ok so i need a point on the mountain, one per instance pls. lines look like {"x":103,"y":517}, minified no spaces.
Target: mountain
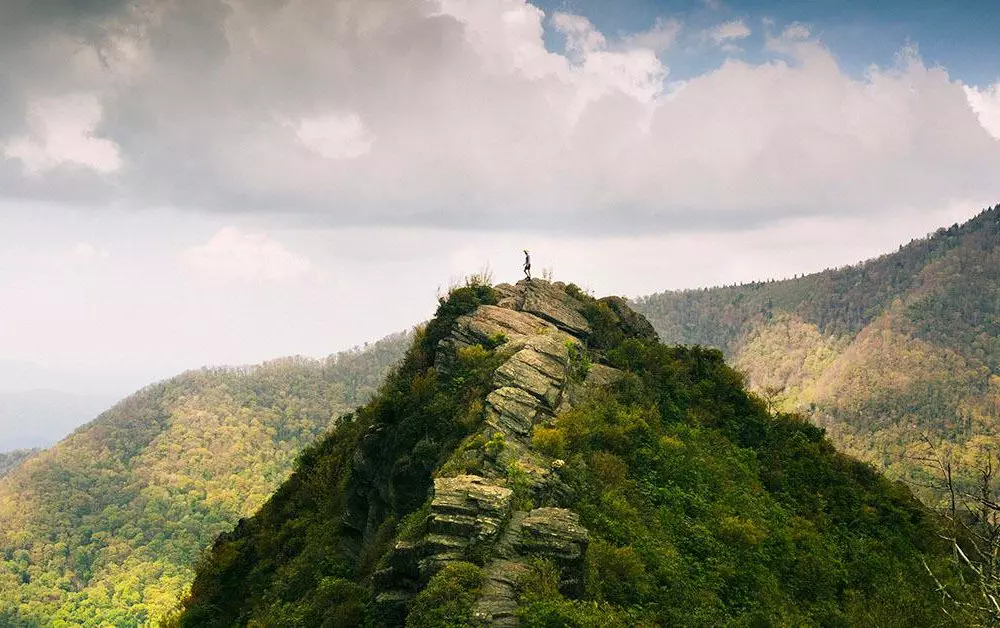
{"x":10,"y":459}
{"x":880,"y":354}
{"x":539,"y":457}
{"x":103,"y":528}
{"x":39,"y":418}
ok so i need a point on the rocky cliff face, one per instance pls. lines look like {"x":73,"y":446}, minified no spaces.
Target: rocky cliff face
{"x":516,"y":508}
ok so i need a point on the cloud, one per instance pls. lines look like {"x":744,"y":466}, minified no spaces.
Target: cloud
{"x":233,"y":255}
{"x":986,"y":103}
{"x":727,"y":32}
{"x":455,"y":114}
{"x":334,"y":136}
{"x":85,"y":254}
{"x":660,"y":38}
{"x":62,"y":132}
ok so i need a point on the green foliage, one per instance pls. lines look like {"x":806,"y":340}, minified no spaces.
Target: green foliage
{"x":11,"y":459}
{"x":705,"y":510}
{"x":495,"y":446}
{"x":104,"y":528}
{"x":879,"y":354}
{"x":446,"y":601}
{"x":519,"y":481}
{"x":333,"y":516}
{"x":579,"y":361}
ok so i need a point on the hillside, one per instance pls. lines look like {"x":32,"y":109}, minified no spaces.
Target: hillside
{"x":10,"y":459}
{"x":878,"y":353}
{"x":103,"y":528}
{"x":540,"y":458}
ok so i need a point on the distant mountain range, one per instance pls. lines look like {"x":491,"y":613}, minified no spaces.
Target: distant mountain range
{"x":880,"y":353}
{"x":10,"y":459}
{"x":39,"y":418}
{"x":104,"y":528}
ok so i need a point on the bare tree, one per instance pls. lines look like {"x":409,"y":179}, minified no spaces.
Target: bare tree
{"x":972,"y":513}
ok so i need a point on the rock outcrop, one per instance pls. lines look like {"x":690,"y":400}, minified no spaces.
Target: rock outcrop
{"x":516,"y":508}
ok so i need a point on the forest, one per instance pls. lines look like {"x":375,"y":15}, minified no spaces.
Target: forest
{"x":10,"y":459}
{"x":888,"y":356}
{"x":104,"y":528}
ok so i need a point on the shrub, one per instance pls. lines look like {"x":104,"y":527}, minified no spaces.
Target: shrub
{"x":550,"y":441}
{"x":615,"y":574}
{"x":447,"y":600}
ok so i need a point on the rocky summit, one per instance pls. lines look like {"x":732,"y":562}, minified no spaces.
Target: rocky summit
{"x":540,"y":459}
{"x":541,"y":331}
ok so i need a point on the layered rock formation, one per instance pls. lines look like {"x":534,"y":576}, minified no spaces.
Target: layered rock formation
{"x":515,"y":508}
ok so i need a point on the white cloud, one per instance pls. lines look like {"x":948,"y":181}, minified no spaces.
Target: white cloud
{"x":986,"y":103}
{"x":728,"y":32}
{"x":661,"y":37}
{"x":234,"y":255}
{"x":85,"y":254}
{"x":62,"y":132}
{"x":796,"y":31}
{"x":581,"y":36}
{"x":335,"y":135}
{"x":453,"y":113}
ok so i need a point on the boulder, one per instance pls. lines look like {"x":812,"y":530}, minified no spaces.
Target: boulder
{"x":469,"y":507}
{"x":631,"y":322}
{"x":539,"y":372}
{"x":601,"y":375}
{"x":552,"y":304}
{"x":556,"y":534}
{"x":512,"y":410}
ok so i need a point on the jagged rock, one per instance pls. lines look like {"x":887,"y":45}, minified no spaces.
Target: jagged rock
{"x":488,"y":321}
{"x":556,"y":534}
{"x":601,"y":375}
{"x":469,"y":502}
{"x":539,"y":368}
{"x":497,"y":603}
{"x":507,"y":296}
{"x":468,"y":512}
{"x":630,"y":322}
{"x":512,"y":410}
{"x":553,"y":304}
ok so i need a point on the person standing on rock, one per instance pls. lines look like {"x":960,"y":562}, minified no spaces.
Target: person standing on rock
{"x":527,"y":265}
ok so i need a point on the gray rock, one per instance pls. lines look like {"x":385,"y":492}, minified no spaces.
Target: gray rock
{"x":631,"y":322}
{"x":541,"y":374}
{"x":512,"y":410}
{"x":554,"y":305}
{"x":601,"y":375}
{"x":555,"y":533}
{"x":497,"y":603}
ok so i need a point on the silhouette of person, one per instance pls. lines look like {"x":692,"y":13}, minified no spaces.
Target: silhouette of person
{"x":527,"y":265}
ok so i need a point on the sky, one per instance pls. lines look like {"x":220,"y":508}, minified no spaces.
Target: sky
{"x":204,"y":182}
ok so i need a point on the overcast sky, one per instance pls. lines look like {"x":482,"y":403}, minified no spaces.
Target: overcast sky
{"x":189,"y":182}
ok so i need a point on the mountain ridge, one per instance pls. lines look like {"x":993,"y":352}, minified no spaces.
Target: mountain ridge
{"x":102,"y":528}
{"x":539,"y":458}
{"x":882,"y":354}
